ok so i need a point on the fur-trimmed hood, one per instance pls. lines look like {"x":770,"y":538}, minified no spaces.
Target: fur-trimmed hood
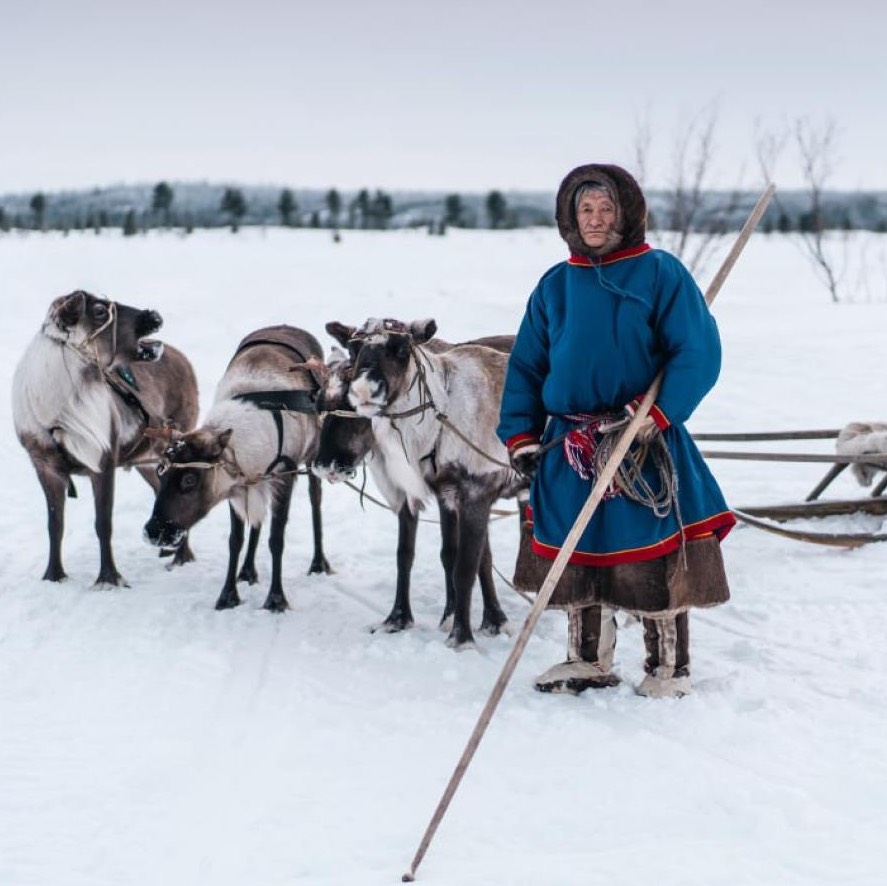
{"x":632,"y":205}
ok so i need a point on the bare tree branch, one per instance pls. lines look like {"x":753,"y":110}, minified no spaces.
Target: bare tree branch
{"x":687,"y":211}
{"x":815,"y":146}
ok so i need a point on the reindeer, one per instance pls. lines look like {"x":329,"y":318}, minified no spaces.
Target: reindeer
{"x":261,"y":428}
{"x":85,"y":392}
{"x":418,"y":402}
{"x":346,"y":440}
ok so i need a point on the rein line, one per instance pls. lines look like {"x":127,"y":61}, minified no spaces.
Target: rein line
{"x":230,"y":466}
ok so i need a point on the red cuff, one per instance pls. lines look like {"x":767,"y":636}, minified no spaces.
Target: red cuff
{"x":655,"y":413}
{"x":519,"y":441}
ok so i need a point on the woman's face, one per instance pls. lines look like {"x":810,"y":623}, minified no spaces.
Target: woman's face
{"x":596,"y":218}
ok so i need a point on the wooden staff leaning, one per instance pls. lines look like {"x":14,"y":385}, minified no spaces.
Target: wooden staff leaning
{"x":560,"y":562}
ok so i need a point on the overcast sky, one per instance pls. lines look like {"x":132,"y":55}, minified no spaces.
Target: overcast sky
{"x":463,"y":95}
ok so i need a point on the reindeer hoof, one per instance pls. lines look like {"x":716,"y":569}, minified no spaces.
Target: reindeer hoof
{"x":228,"y":601}
{"x":110,"y":581}
{"x":55,"y":575}
{"x":320,"y":564}
{"x":180,"y":556}
{"x":460,"y":641}
{"x":276,"y":604}
{"x":183,"y":555}
{"x":494,"y":628}
{"x":248,"y":574}
{"x":392,"y":625}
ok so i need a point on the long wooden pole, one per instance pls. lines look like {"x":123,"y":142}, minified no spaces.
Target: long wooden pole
{"x":557,"y":567}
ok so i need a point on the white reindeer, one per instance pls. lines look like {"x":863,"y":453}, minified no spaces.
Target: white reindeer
{"x":347,"y":441}
{"x":261,"y":429}
{"x":434,"y":417}
{"x":85,"y":391}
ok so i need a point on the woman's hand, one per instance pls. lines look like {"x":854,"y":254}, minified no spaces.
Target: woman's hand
{"x":526,"y":460}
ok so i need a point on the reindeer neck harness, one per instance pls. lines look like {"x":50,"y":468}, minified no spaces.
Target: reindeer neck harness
{"x":426,"y":401}
{"x":88,"y":351}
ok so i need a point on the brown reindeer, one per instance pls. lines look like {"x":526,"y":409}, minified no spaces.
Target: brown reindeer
{"x":347,"y":440}
{"x":260,"y":430}
{"x":86,"y":389}
{"x":433,"y":421}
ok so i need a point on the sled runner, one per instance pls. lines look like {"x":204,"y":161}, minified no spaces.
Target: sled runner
{"x":865,"y":464}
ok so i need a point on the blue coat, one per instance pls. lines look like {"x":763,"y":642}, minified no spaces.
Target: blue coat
{"x":594,"y":336}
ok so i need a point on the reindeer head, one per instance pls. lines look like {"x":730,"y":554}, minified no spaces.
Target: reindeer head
{"x":190,"y":485}
{"x":344,"y":440}
{"x":382,"y":362}
{"x":114,"y":332}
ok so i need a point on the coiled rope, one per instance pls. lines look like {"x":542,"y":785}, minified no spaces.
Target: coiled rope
{"x":631,"y":481}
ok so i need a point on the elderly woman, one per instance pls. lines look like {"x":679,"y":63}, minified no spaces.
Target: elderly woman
{"x":598,"y":328}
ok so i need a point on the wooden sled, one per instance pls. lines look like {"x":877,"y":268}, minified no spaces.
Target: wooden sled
{"x":769,"y":517}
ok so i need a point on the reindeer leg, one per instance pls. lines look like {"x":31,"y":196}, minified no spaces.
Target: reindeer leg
{"x":276,"y":599}
{"x":473,"y":520}
{"x":103,"y":493}
{"x":449,"y":546}
{"x":248,"y":571}
{"x":494,"y":619}
{"x":229,"y":598}
{"x":183,"y":553}
{"x":401,"y":615}
{"x":315,"y":492}
{"x":55,"y":487}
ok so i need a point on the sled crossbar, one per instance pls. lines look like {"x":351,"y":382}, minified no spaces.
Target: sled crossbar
{"x":798,"y":510}
{"x":828,"y":434}
{"x":870,"y":458}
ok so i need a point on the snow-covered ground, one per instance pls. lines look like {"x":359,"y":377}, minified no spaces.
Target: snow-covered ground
{"x":147,"y":739}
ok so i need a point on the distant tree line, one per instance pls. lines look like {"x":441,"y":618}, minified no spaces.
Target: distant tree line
{"x":188,"y":206}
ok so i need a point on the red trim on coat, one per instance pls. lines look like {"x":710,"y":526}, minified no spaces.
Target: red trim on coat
{"x":655,"y":412}
{"x":719,"y":524}
{"x":608,"y":259}
{"x":659,"y":417}
{"x":518,"y":441}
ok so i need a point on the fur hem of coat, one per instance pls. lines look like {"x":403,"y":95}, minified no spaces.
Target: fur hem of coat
{"x":663,"y":585}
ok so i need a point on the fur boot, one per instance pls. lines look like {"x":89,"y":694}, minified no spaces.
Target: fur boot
{"x":667,"y":663}
{"x":590,"y":647}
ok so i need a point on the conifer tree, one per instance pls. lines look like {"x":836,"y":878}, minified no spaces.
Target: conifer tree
{"x":334,"y":206}
{"x":161,"y":201}
{"x":234,"y":206}
{"x":360,"y":209}
{"x":38,"y":207}
{"x":286,"y":206}
{"x":129,"y":223}
{"x":453,"y":210}
{"x":496,"y":208}
{"x":381,"y":209}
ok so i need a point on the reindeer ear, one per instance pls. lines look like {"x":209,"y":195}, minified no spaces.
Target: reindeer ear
{"x":69,"y":309}
{"x":422,"y":330}
{"x":340,"y":332}
{"x":221,"y":441}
